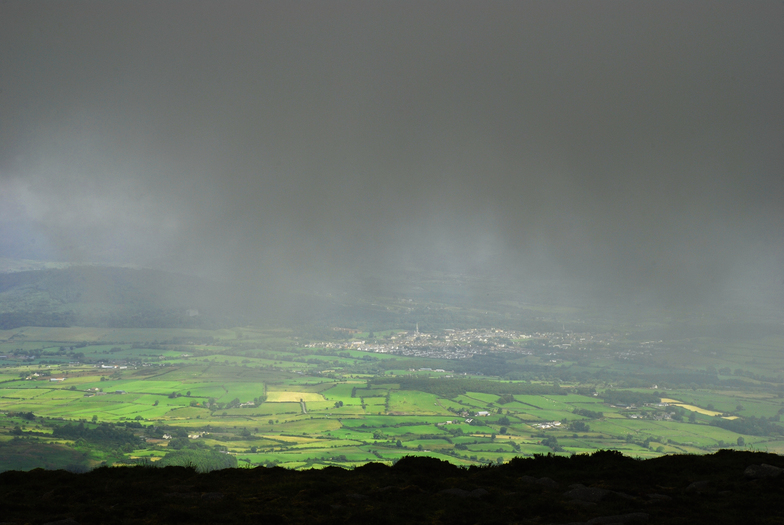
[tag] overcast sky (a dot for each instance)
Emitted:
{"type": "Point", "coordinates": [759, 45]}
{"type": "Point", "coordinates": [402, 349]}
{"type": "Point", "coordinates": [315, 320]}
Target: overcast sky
{"type": "Point", "coordinates": [636, 146]}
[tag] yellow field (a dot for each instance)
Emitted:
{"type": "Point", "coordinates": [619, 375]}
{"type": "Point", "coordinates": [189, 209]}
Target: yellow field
{"type": "Point", "coordinates": [293, 397]}
{"type": "Point", "coordinates": [148, 458]}
{"type": "Point", "coordinates": [694, 408]}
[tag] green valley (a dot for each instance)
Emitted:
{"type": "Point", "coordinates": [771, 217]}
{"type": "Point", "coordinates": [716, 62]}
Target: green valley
{"type": "Point", "coordinates": [77, 398]}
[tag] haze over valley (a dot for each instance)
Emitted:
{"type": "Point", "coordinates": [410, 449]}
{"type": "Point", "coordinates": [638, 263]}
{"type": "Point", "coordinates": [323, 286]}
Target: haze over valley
{"type": "Point", "coordinates": [323, 234]}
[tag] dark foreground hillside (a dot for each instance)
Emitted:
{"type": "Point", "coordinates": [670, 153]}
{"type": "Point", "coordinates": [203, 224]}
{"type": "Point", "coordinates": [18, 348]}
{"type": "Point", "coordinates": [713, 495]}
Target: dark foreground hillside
{"type": "Point", "coordinates": [727, 487]}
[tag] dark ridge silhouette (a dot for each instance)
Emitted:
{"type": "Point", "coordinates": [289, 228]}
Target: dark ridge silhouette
{"type": "Point", "coordinates": [604, 487]}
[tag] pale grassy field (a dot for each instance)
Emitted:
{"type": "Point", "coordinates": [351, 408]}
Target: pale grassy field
{"type": "Point", "coordinates": [293, 397]}
{"type": "Point", "coordinates": [693, 408]}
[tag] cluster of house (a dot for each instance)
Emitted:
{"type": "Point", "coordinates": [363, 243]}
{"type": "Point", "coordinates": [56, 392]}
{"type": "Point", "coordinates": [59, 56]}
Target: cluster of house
{"type": "Point", "coordinates": [449, 344]}
{"type": "Point", "coordinates": [481, 413]}
{"type": "Point", "coordinates": [190, 436]}
{"type": "Point", "coordinates": [657, 416]}
{"type": "Point", "coordinates": [97, 392]}
{"type": "Point", "coordinates": [548, 424]}
{"type": "Point", "coordinates": [51, 379]}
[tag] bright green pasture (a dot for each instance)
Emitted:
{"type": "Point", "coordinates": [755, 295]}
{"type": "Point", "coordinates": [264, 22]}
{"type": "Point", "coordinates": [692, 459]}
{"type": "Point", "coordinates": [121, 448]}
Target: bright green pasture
{"type": "Point", "coordinates": [322, 406]}
{"type": "Point", "coordinates": [202, 391]}
{"type": "Point", "coordinates": [412, 429]}
{"type": "Point", "coordinates": [244, 391]}
{"type": "Point", "coordinates": [342, 392]}
{"type": "Point", "coordinates": [548, 415]}
{"type": "Point", "coordinates": [491, 447]}
{"type": "Point", "coordinates": [350, 434]}
{"type": "Point", "coordinates": [529, 401]}
{"type": "Point", "coordinates": [552, 403]}
{"type": "Point", "coordinates": [765, 405]}
{"type": "Point", "coordinates": [347, 410]}
{"type": "Point", "coordinates": [469, 403]}
{"type": "Point", "coordinates": [265, 408]}
{"type": "Point", "coordinates": [22, 393]}
{"type": "Point", "coordinates": [310, 426]}
{"type": "Point", "coordinates": [431, 443]}
{"type": "Point", "coordinates": [448, 403]}
{"type": "Point", "coordinates": [482, 399]}
{"type": "Point", "coordinates": [153, 386]}
{"type": "Point", "coordinates": [326, 443]}
{"type": "Point", "coordinates": [375, 421]}
{"type": "Point", "coordinates": [372, 392]}
{"type": "Point", "coordinates": [699, 435]}
{"type": "Point", "coordinates": [303, 383]}
{"type": "Point", "coordinates": [59, 395]}
{"type": "Point", "coordinates": [521, 407]}
{"type": "Point", "coordinates": [413, 402]}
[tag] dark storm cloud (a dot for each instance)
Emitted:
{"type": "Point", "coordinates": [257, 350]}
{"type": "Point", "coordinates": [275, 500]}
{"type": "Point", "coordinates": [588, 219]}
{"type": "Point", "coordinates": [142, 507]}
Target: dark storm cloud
{"type": "Point", "coordinates": [633, 146]}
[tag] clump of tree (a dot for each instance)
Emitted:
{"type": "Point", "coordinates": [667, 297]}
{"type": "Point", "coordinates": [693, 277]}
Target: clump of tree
{"type": "Point", "coordinates": [579, 426]}
{"type": "Point", "coordinates": [588, 413]}
{"type": "Point", "coordinates": [203, 460]}
{"type": "Point", "coordinates": [505, 398]}
{"type": "Point", "coordinates": [29, 416]}
{"type": "Point", "coordinates": [103, 434]}
{"type": "Point", "coordinates": [552, 442]}
{"type": "Point", "coordinates": [179, 443]}
{"type": "Point", "coordinates": [751, 426]}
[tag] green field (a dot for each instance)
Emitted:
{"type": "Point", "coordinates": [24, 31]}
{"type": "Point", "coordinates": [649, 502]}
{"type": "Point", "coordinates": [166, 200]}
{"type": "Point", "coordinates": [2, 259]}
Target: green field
{"type": "Point", "coordinates": [266, 399]}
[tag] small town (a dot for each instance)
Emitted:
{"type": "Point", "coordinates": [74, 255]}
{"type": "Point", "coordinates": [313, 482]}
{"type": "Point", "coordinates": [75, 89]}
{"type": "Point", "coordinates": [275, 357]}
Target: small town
{"type": "Point", "coordinates": [464, 344]}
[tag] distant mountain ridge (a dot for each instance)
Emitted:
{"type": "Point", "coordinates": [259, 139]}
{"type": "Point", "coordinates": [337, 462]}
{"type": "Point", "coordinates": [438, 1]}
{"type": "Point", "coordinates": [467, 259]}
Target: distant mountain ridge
{"type": "Point", "coordinates": [104, 296]}
{"type": "Point", "coordinates": [8, 265]}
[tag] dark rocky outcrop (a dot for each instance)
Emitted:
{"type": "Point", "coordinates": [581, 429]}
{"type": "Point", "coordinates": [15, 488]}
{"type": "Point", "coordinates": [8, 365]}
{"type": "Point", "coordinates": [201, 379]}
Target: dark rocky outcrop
{"type": "Point", "coordinates": [603, 488]}
{"type": "Point", "coordinates": [762, 471]}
